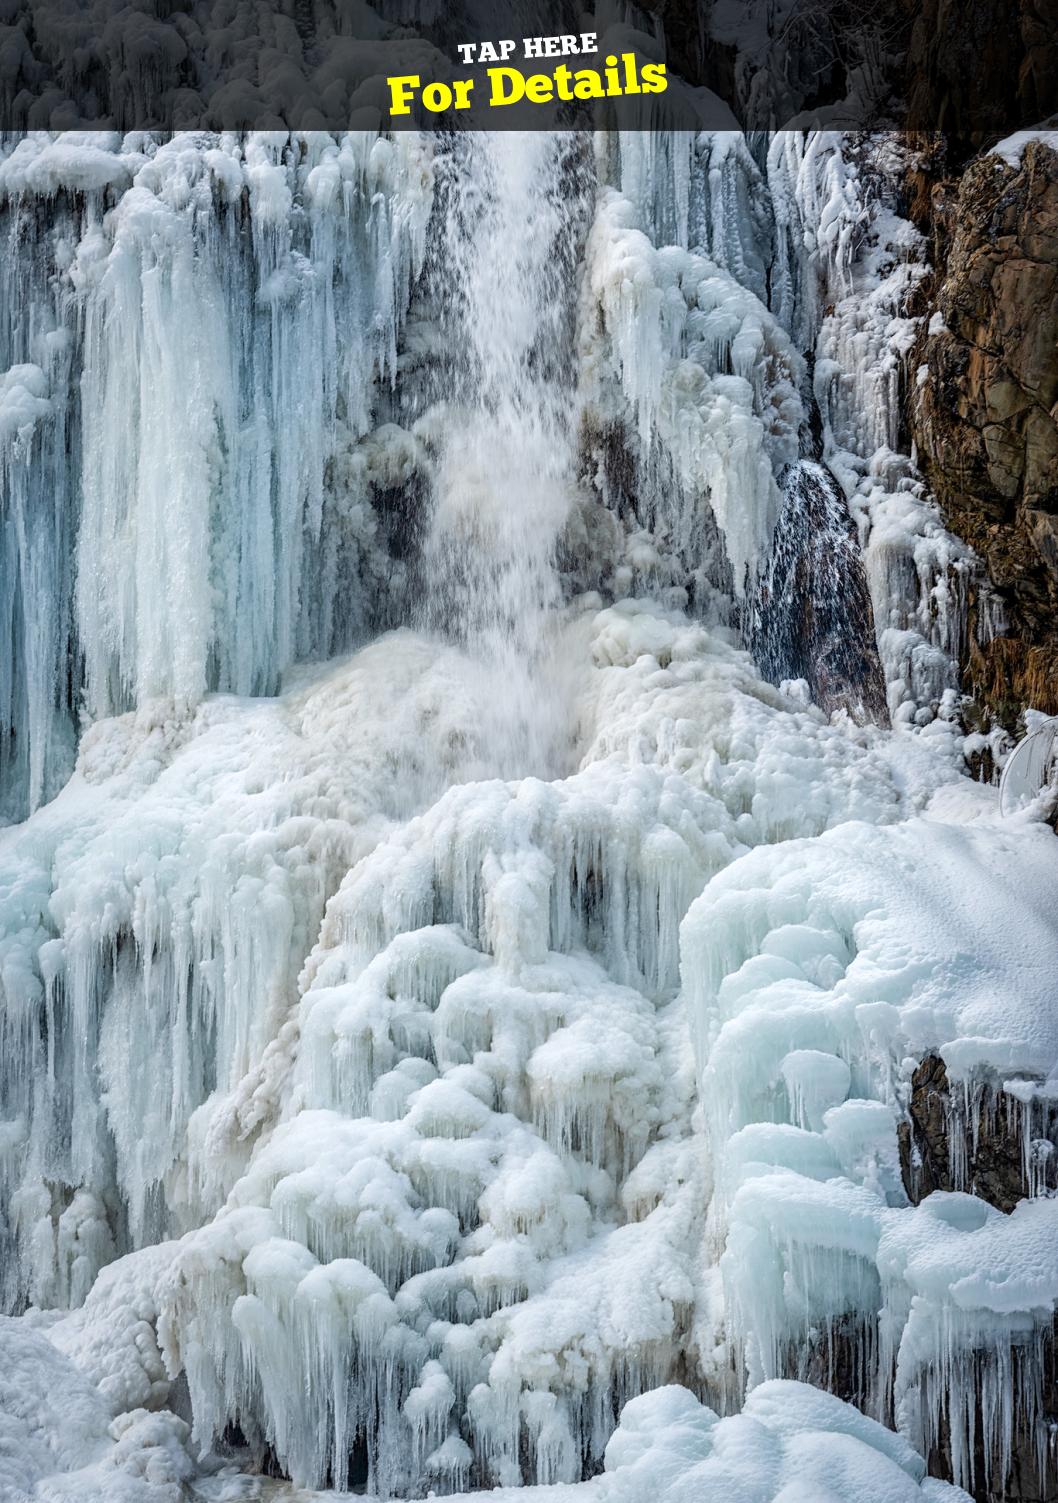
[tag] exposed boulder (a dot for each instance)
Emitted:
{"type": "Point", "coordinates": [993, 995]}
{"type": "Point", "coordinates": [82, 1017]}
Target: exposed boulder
{"type": "Point", "coordinates": [975, 1141]}
{"type": "Point", "coordinates": [988, 1142]}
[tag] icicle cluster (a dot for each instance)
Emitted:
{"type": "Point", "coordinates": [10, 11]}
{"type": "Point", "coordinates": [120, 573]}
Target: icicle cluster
{"type": "Point", "coordinates": [846, 268]}
{"type": "Point", "coordinates": [816, 980]}
{"type": "Point", "coordinates": [702, 384]}
{"type": "Point", "coordinates": [473, 1226]}
{"type": "Point", "coordinates": [222, 310]}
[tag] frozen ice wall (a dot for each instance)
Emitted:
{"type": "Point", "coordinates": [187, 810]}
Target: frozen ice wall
{"type": "Point", "coordinates": [459, 1017]}
{"type": "Point", "coordinates": [206, 319]}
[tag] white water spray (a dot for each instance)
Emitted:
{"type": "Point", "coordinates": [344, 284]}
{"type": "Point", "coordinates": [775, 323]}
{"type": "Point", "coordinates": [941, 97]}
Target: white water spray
{"type": "Point", "coordinates": [505, 475]}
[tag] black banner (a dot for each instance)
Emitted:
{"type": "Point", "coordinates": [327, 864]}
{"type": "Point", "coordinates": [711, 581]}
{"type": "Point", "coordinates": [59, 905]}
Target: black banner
{"type": "Point", "coordinates": [981, 68]}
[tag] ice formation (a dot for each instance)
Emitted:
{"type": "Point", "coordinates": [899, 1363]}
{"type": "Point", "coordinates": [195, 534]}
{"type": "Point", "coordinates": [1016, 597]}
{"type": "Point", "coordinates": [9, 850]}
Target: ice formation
{"type": "Point", "coordinates": [458, 1014]}
{"type": "Point", "coordinates": [177, 270]}
{"type": "Point", "coordinates": [813, 983]}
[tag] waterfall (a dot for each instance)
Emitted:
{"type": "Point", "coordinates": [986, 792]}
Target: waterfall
{"type": "Point", "coordinates": [464, 970]}
{"type": "Point", "coordinates": [505, 471]}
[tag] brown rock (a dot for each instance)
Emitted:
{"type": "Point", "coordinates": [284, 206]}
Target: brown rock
{"type": "Point", "coordinates": [940, 1131]}
{"type": "Point", "coordinates": [986, 1140]}
{"type": "Point", "coordinates": [985, 422]}
{"type": "Point", "coordinates": [973, 69]}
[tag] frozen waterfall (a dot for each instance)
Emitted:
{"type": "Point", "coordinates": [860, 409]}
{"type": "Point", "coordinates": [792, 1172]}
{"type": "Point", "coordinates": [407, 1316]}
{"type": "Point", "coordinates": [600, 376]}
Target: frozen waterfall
{"type": "Point", "coordinates": [470, 918]}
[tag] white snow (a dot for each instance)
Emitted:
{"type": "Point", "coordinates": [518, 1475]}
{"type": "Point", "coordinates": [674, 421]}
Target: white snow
{"type": "Point", "coordinates": [817, 976]}
{"type": "Point", "coordinates": [1012, 148]}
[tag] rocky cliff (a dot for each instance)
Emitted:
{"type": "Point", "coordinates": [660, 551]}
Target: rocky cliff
{"type": "Point", "coordinates": [983, 404]}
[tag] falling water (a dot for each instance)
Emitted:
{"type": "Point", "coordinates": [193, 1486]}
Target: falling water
{"type": "Point", "coordinates": [515, 203]}
{"type": "Point", "coordinates": [813, 619]}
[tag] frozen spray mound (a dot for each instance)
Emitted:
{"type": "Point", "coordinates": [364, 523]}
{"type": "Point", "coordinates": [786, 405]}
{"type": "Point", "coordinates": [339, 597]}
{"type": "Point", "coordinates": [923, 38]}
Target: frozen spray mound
{"type": "Point", "coordinates": [57, 1438]}
{"type": "Point", "coordinates": [164, 905]}
{"type": "Point", "coordinates": [790, 1444]}
{"type": "Point", "coordinates": [461, 1167]}
{"type": "Point", "coordinates": [397, 511]}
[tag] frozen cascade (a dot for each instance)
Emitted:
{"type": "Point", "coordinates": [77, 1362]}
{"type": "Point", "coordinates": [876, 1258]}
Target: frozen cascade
{"type": "Point", "coordinates": [457, 1014]}
{"type": "Point", "coordinates": [845, 268]}
{"type": "Point", "coordinates": [219, 466]}
{"type": "Point", "coordinates": [39, 443]}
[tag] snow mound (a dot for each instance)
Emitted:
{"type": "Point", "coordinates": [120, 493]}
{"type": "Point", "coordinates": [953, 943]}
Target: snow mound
{"type": "Point", "coordinates": [1012, 148]}
{"type": "Point", "coordinates": [925, 937]}
{"type": "Point", "coordinates": [790, 1444]}
{"type": "Point", "coordinates": [58, 1441]}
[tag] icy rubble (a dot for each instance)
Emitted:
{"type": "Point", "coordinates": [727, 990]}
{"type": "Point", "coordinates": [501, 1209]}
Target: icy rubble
{"type": "Point", "coordinates": [790, 1444]}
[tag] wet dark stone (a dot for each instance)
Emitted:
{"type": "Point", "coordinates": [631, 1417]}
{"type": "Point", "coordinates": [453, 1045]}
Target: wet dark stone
{"type": "Point", "coordinates": [813, 618]}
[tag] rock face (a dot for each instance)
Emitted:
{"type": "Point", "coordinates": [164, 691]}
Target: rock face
{"type": "Point", "coordinates": [948, 1142]}
{"type": "Point", "coordinates": [813, 619]}
{"type": "Point", "coordinates": [984, 407]}
{"type": "Point", "coordinates": [975, 69]}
